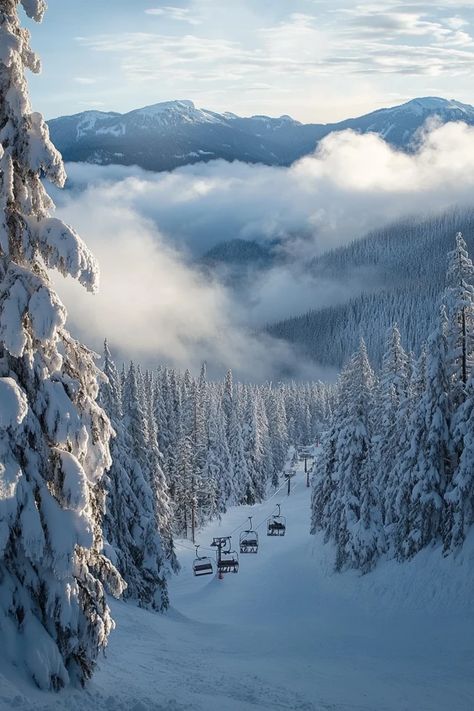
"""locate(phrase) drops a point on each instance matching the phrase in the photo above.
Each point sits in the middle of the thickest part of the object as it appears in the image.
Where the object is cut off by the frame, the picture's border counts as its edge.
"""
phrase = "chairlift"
(202, 565)
(249, 540)
(227, 559)
(229, 562)
(276, 525)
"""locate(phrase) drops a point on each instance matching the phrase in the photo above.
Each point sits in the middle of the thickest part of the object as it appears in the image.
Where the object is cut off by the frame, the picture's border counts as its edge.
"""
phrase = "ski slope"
(287, 633)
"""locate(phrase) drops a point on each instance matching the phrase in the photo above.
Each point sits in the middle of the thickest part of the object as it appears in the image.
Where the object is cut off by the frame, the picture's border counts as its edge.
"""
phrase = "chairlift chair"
(276, 525)
(249, 540)
(229, 562)
(202, 565)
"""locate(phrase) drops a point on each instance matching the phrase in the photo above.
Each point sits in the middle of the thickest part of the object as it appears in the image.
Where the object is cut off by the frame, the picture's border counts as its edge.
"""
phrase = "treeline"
(396, 472)
(184, 450)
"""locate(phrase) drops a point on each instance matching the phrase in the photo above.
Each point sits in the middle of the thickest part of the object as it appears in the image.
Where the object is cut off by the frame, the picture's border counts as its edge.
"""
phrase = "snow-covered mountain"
(174, 133)
(398, 125)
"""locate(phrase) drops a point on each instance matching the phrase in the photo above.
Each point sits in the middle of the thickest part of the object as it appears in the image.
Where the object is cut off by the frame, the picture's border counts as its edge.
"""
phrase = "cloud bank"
(146, 229)
(352, 184)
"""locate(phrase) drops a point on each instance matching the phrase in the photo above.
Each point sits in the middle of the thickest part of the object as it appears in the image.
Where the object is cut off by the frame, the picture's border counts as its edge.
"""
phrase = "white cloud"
(144, 226)
(155, 307)
(179, 14)
(392, 25)
(86, 81)
(345, 39)
(352, 184)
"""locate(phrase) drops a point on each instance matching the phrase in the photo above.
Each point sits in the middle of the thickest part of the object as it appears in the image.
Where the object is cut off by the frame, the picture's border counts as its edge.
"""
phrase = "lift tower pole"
(219, 543)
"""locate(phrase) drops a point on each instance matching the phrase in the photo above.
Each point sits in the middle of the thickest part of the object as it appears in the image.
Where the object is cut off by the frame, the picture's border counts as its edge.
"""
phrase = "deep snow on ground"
(287, 633)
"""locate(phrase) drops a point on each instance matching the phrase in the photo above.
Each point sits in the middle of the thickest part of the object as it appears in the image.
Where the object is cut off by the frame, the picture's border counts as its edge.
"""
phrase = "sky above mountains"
(320, 60)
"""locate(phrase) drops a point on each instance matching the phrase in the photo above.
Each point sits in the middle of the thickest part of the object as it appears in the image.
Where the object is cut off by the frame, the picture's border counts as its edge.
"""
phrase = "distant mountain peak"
(160, 107)
(177, 111)
(430, 104)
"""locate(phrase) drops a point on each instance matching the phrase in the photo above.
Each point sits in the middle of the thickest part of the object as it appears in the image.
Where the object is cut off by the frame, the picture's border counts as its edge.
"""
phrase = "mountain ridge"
(171, 134)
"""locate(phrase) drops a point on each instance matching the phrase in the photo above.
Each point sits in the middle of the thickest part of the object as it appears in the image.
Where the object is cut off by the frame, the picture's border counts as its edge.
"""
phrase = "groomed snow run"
(287, 633)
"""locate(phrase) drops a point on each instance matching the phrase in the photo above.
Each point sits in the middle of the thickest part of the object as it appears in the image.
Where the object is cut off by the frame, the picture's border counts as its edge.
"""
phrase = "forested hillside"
(396, 470)
(401, 275)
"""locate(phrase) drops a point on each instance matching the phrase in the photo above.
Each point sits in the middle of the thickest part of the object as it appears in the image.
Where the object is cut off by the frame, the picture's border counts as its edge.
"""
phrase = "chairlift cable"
(240, 526)
(260, 504)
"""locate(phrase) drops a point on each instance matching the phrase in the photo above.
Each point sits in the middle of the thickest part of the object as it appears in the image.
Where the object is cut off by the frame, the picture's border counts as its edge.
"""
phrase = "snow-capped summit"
(399, 125)
(169, 134)
(169, 113)
(435, 103)
(430, 105)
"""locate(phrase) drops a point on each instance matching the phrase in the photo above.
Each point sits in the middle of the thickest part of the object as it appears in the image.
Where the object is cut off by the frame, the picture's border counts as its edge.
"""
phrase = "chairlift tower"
(230, 562)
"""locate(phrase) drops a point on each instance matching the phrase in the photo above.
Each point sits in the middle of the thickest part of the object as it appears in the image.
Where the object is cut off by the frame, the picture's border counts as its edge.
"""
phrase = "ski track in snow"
(286, 633)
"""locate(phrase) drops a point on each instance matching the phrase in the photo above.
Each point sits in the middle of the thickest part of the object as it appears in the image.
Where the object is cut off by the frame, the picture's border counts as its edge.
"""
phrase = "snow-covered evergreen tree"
(228, 397)
(254, 448)
(157, 479)
(185, 492)
(432, 468)
(53, 436)
(279, 432)
(243, 485)
(125, 523)
(324, 492)
(460, 494)
(459, 304)
(357, 532)
(390, 394)
(218, 467)
(152, 555)
(410, 426)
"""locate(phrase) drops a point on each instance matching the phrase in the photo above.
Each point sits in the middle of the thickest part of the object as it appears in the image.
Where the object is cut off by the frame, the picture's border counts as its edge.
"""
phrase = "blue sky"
(318, 60)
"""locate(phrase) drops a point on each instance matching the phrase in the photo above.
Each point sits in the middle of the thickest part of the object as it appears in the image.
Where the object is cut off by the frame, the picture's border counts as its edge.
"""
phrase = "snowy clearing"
(286, 633)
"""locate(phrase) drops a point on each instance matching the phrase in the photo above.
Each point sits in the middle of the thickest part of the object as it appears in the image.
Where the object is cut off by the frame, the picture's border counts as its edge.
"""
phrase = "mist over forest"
(164, 224)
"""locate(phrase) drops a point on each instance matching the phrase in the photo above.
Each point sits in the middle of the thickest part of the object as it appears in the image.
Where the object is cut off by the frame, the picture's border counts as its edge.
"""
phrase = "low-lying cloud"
(156, 308)
(352, 184)
(146, 229)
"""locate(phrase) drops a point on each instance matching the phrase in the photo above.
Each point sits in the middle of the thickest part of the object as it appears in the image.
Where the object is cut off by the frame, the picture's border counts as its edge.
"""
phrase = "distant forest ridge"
(404, 266)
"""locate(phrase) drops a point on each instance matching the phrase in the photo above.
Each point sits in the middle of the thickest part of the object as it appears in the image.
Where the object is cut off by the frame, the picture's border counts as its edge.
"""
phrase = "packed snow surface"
(287, 633)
